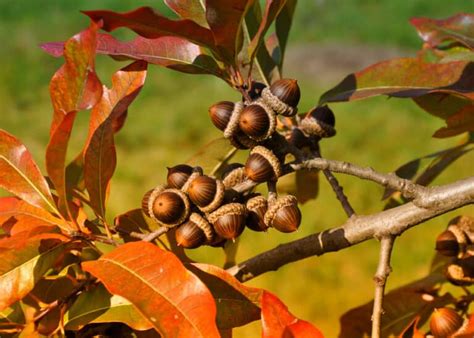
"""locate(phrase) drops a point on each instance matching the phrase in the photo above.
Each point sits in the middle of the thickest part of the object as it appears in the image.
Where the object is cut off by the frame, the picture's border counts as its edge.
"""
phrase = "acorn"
(257, 121)
(447, 244)
(241, 141)
(283, 96)
(297, 138)
(445, 322)
(145, 201)
(225, 116)
(262, 165)
(194, 233)
(178, 175)
(229, 220)
(319, 122)
(256, 208)
(284, 214)
(206, 192)
(169, 207)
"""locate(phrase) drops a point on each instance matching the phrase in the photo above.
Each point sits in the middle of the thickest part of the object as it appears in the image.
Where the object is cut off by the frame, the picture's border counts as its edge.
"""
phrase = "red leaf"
(225, 19)
(272, 9)
(20, 174)
(237, 304)
(23, 261)
(148, 23)
(459, 27)
(458, 123)
(175, 301)
(278, 322)
(22, 215)
(167, 51)
(74, 87)
(404, 77)
(99, 151)
(189, 9)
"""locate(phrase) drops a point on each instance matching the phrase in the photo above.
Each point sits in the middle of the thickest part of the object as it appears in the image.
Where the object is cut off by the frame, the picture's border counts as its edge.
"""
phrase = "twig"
(337, 188)
(380, 279)
(391, 222)
(272, 192)
(155, 234)
(133, 234)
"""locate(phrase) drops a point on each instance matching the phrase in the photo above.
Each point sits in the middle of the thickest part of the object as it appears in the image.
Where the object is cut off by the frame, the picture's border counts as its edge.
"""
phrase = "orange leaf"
(174, 300)
(278, 322)
(99, 152)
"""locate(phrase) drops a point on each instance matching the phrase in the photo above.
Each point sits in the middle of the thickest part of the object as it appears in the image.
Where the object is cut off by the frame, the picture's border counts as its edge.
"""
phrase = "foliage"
(66, 269)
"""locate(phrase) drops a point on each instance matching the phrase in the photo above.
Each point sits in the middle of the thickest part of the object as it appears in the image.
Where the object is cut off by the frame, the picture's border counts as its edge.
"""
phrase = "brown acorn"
(241, 141)
(178, 175)
(257, 121)
(189, 235)
(262, 165)
(206, 192)
(256, 208)
(283, 96)
(319, 122)
(297, 138)
(229, 220)
(284, 214)
(220, 113)
(195, 232)
(169, 207)
(447, 244)
(445, 322)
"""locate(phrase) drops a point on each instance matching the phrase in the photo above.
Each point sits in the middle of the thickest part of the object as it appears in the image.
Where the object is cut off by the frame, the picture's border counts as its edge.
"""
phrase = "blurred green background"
(169, 122)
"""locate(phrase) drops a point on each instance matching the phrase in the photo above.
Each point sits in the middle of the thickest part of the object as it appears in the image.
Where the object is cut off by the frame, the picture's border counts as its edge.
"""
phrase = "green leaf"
(189, 9)
(97, 305)
(174, 300)
(24, 259)
(21, 175)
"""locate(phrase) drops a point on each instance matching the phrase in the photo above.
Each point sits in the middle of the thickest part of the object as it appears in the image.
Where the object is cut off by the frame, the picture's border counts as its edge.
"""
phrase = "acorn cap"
(204, 225)
(206, 192)
(284, 214)
(283, 96)
(257, 121)
(169, 207)
(197, 171)
(145, 201)
(178, 175)
(234, 177)
(242, 141)
(262, 165)
(446, 244)
(445, 322)
(233, 124)
(319, 122)
(220, 113)
(461, 271)
(189, 235)
(256, 208)
(229, 220)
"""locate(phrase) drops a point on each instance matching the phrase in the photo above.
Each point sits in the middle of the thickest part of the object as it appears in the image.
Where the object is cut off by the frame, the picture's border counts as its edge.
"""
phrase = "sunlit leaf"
(133, 221)
(97, 305)
(22, 212)
(458, 28)
(237, 304)
(277, 321)
(225, 20)
(213, 155)
(404, 77)
(99, 151)
(189, 9)
(167, 51)
(400, 306)
(23, 261)
(174, 300)
(148, 23)
(21, 175)
(74, 87)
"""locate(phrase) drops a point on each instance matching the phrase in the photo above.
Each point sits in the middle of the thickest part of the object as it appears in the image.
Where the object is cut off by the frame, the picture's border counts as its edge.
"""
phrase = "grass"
(168, 123)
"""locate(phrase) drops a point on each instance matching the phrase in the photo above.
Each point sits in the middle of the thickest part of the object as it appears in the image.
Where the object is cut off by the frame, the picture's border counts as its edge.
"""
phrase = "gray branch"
(429, 203)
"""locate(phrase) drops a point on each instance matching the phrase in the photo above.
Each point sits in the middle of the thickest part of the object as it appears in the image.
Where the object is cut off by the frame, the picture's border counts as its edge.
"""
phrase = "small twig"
(133, 234)
(380, 279)
(272, 192)
(155, 234)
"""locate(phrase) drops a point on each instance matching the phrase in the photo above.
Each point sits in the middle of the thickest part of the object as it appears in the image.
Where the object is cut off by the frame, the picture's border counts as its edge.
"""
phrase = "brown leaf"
(237, 304)
(99, 151)
(74, 87)
(21, 175)
(278, 322)
(412, 330)
(148, 23)
(459, 28)
(174, 300)
(134, 221)
(404, 77)
(23, 261)
(461, 122)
